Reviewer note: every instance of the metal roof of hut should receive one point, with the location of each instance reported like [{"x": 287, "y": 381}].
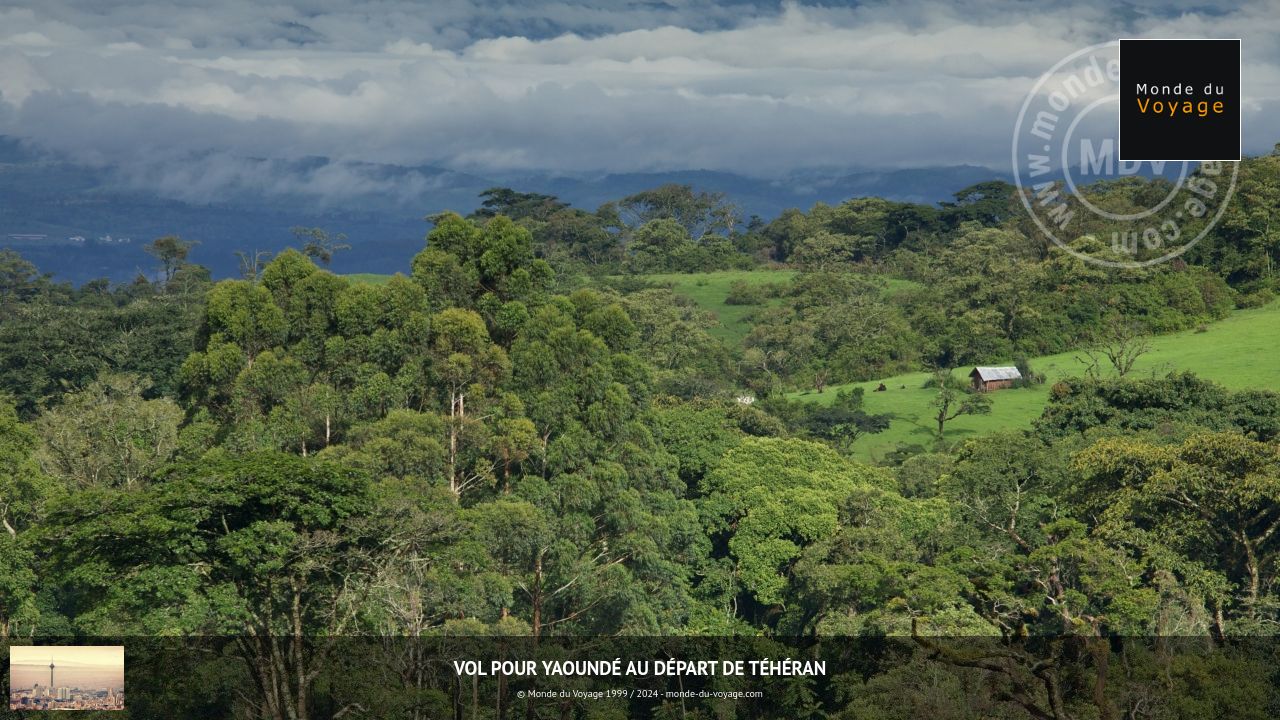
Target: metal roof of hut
[{"x": 996, "y": 373}]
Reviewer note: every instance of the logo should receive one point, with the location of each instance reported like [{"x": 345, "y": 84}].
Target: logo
[
  {"x": 1180, "y": 99},
  {"x": 1087, "y": 201}
]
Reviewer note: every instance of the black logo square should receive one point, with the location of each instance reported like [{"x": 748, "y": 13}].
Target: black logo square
[{"x": 1179, "y": 99}]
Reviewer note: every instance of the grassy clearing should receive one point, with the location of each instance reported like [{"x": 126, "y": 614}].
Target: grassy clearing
[
  {"x": 1238, "y": 352},
  {"x": 369, "y": 278},
  {"x": 709, "y": 290}
]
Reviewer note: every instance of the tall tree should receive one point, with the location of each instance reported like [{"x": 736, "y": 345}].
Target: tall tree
[
  {"x": 267, "y": 548},
  {"x": 1212, "y": 501},
  {"x": 465, "y": 265},
  {"x": 467, "y": 365},
  {"x": 318, "y": 244},
  {"x": 171, "y": 251},
  {"x": 1122, "y": 342},
  {"x": 769, "y": 498},
  {"x": 246, "y": 314},
  {"x": 108, "y": 434},
  {"x": 698, "y": 212},
  {"x": 19, "y": 279},
  {"x": 517, "y": 205},
  {"x": 23, "y": 488},
  {"x": 24, "y": 492}
]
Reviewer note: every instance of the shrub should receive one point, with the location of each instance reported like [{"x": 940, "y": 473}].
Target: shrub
[
  {"x": 1030, "y": 378},
  {"x": 743, "y": 293},
  {"x": 1255, "y": 299}
]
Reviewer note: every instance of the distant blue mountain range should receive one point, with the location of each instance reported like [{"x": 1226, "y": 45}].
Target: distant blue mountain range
[{"x": 81, "y": 221}]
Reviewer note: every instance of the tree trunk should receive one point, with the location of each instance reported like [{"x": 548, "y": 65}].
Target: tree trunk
[
  {"x": 263, "y": 671},
  {"x": 1251, "y": 567},
  {"x": 536, "y": 599},
  {"x": 300, "y": 669},
  {"x": 1100, "y": 648},
  {"x": 1219, "y": 633},
  {"x": 457, "y": 412}
]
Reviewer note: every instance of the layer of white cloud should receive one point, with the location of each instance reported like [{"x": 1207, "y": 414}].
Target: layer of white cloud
[{"x": 758, "y": 89}]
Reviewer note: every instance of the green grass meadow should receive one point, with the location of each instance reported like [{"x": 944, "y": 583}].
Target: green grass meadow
[
  {"x": 709, "y": 290},
  {"x": 369, "y": 278},
  {"x": 1242, "y": 351}
]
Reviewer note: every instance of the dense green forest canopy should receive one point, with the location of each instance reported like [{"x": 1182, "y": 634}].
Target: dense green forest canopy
[{"x": 524, "y": 436}]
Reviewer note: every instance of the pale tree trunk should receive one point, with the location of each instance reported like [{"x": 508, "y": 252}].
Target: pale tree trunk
[
  {"x": 536, "y": 596},
  {"x": 1251, "y": 567},
  {"x": 299, "y": 665},
  {"x": 453, "y": 444},
  {"x": 457, "y": 415},
  {"x": 284, "y": 691}
]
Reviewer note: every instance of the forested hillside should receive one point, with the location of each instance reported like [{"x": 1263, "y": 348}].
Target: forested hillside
[{"x": 538, "y": 431}]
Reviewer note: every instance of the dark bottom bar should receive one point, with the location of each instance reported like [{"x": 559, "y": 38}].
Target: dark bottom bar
[{"x": 459, "y": 678}]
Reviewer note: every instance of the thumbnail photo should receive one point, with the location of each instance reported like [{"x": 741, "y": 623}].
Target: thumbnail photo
[{"x": 66, "y": 677}]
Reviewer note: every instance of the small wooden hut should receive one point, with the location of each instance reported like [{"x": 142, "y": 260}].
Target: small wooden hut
[{"x": 986, "y": 379}]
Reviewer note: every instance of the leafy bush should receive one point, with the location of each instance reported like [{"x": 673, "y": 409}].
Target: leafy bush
[
  {"x": 1256, "y": 299},
  {"x": 742, "y": 292},
  {"x": 1030, "y": 378}
]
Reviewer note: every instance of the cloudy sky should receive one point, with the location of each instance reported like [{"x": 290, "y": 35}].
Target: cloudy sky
[{"x": 760, "y": 88}]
